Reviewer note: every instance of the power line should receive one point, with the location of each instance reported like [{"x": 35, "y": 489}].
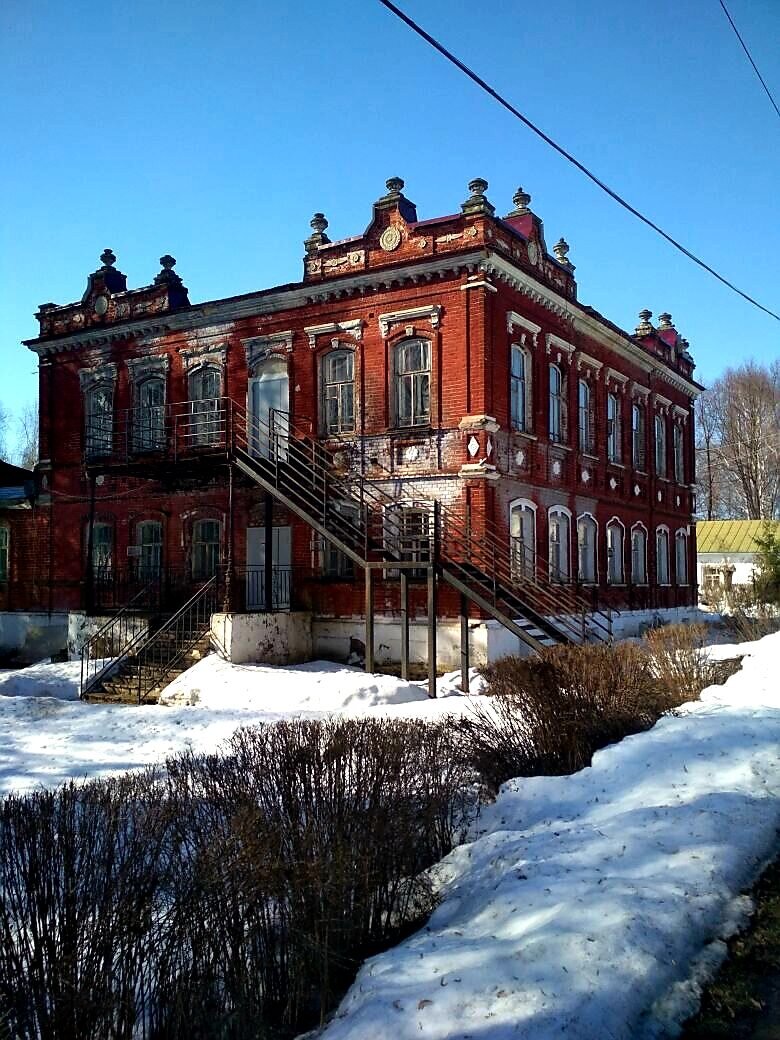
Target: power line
[
  {"x": 567, "y": 155},
  {"x": 749, "y": 58}
]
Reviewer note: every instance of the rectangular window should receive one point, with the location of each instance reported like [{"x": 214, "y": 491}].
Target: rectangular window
[
  {"x": 409, "y": 535},
  {"x": 102, "y": 552},
  {"x": 205, "y": 549},
  {"x": 662, "y": 557},
  {"x": 585, "y": 417},
  {"x": 681, "y": 561},
  {"x": 99, "y": 420},
  {"x": 413, "y": 383},
  {"x": 679, "y": 458},
  {"x": 638, "y": 557},
  {"x": 613, "y": 428},
  {"x": 519, "y": 389},
  {"x": 556, "y": 406},
  {"x": 660, "y": 445},
  {"x": 339, "y": 392},
  {"x": 4, "y": 553},
  {"x": 615, "y": 554},
  {"x": 346, "y": 525},
  {"x": 638, "y": 437}
]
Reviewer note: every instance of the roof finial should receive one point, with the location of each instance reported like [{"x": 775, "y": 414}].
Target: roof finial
[
  {"x": 521, "y": 199},
  {"x": 395, "y": 185},
  {"x": 561, "y": 250},
  {"x": 665, "y": 321},
  {"x": 477, "y": 202},
  {"x": 644, "y": 328},
  {"x": 107, "y": 257},
  {"x": 318, "y": 238}
]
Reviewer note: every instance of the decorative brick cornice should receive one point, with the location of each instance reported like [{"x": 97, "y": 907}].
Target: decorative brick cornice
[
  {"x": 152, "y": 364},
  {"x": 195, "y": 356}
]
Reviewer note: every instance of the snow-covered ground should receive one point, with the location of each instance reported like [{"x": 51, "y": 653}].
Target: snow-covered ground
[
  {"x": 48, "y": 736},
  {"x": 592, "y": 906},
  {"x": 588, "y": 906}
]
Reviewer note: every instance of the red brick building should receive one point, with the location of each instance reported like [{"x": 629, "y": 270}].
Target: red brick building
[{"x": 444, "y": 360}]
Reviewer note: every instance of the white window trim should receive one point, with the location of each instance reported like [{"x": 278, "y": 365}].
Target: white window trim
[
  {"x": 663, "y": 528},
  {"x": 595, "y": 579},
  {"x": 528, "y": 385},
  {"x": 615, "y": 521},
  {"x": 336, "y": 347},
  {"x": 559, "y": 510},
  {"x": 634, "y": 527}
]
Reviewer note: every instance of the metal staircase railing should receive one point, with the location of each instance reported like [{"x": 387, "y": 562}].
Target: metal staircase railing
[
  {"x": 287, "y": 460},
  {"x": 154, "y": 661},
  {"x": 114, "y": 640}
]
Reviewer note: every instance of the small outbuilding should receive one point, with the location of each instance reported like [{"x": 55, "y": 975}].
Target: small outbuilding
[{"x": 726, "y": 554}]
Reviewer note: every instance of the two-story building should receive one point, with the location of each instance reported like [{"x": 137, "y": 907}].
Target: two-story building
[{"x": 430, "y": 398}]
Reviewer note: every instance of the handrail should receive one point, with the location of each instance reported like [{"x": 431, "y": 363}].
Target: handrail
[
  {"x": 548, "y": 593},
  {"x": 87, "y": 681}
]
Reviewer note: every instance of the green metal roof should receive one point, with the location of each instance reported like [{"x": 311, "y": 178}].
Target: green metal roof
[{"x": 729, "y": 536}]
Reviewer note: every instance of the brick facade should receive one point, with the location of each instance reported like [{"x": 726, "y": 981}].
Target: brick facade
[{"x": 471, "y": 286}]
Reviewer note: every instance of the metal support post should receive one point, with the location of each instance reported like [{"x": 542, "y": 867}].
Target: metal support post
[
  {"x": 268, "y": 559},
  {"x": 404, "y": 624},
  {"x": 464, "y": 644},
  {"x": 431, "y": 631},
  {"x": 369, "y": 666}
]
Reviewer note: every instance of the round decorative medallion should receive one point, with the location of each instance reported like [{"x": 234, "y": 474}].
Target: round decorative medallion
[
  {"x": 101, "y": 305},
  {"x": 390, "y": 238},
  {"x": 636, "y": 489},
  {"x": 677, "y": 501},
  {"x": 659, "y": 496},
  {"x": 556, "y": 468},
  {"x": 520, "y": 458},
  {"x": 612, "y": 483},
  {"x": 412, "y": 453},
  {"x": 533, "y": 252},
  {"x": 585, "y": 476}
]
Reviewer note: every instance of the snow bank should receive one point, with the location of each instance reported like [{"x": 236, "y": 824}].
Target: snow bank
[
  {"x": 45, "y": 740},
  {"x": 591, "y": 905}
]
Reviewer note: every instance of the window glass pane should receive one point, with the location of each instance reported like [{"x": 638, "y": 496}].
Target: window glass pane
[
  {"x": 102, "y": 549},
  {"x": 4, "y": 542},
  {"x": 205, "y": 548}
]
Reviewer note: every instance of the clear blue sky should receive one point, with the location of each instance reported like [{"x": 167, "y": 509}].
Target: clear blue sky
[{"x": 214, "y": 131}]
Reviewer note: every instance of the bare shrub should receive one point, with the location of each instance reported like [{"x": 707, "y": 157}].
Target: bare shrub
[
  {"x": 681, "y": 662},
  {"x": 549, "y": 714},
  {"x": 233, "y": 895}
]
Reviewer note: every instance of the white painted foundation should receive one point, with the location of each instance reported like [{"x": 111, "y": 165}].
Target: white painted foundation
[{"x": 283, "y": 638}]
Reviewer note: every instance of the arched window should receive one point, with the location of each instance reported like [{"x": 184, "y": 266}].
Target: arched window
[
  {"x": 205, "y": 548},
  {"x": 614, "y": 433},
  {"x": 638, "y": 436},
  {"x": 660, "y": 445},
  {"x": 522, "y": 538},
  {"x": 615, "y": 539},
  {"x": 681, "y": 557},
  {"x": 556, "y": 408},
  {"x": 559, "y": 536},
  {"x": 586, "y": 544},
  {"x": 149, "y": 533},
  {"x": 662, "y": 556},
  {"x": 520, "y": 386},
  {"x": 205, "y": 389},
  {"x": 338, "y": 392},
  {"x": 638, "y": 555},
  {"x": 585, "y": 417},
  {"x": 413, "y": 382},
  {"x": 99, "y": 419},
  {"x": 149, "y": 425},
  {"x": 679, "y": 457},
  {"x": 5, "y": 548}
]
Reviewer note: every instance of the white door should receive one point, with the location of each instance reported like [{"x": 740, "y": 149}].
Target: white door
[
  {"x": 255, "y": 568},
  {"x": 269, "y": 405}
]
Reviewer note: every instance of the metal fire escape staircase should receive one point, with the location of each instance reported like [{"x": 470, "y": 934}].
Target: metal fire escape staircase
[
  {"x": 359, "y": 518},
  {"x": 366, "y": 523}
]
